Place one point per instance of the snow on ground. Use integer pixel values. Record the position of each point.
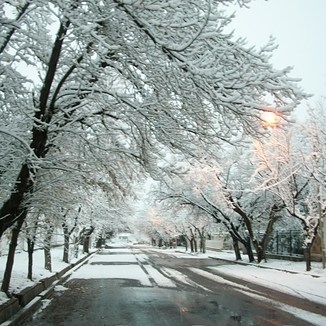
(142, 258)
(282, 275)
(112, 271)
(121, 250)
(130, 271)
(178, 276)
(301, 285)
(314, 319)
(19, 279)
(305, 315)
(159, 278)
(104, 270)
(124, 258)
(300, 267)
(170, 272)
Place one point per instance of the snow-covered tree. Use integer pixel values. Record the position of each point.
(145, 72)
(315, 163)
(229, 193)
(315, 159)
(282, 163)
(162, 69)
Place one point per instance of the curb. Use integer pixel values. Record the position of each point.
(24, 312)
(24, 307)
(239, 262)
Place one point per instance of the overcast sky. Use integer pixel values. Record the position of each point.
(300, 30)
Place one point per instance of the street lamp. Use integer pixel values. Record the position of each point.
(270, 119)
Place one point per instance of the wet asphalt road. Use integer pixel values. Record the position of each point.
(113, 302)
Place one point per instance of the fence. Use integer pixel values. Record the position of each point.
(288, 243)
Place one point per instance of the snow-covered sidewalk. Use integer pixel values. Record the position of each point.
(19, 279)
(282, 275)
(278, 264)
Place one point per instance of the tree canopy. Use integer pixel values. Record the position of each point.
(104, 89)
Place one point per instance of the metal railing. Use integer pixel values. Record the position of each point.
(289, 243)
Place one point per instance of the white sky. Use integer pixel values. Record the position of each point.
(299, 28)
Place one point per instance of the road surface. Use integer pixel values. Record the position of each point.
(144, 287)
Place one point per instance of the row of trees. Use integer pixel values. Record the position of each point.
(274, 182)
(95, 94)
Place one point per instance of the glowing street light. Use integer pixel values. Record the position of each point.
(270, 119)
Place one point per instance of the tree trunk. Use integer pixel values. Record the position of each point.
(76, 246)
(307, 257)
(67, 234)
(202, 241)
(47, 250)
(66, 237)
(11, 254)
(262, 245)
(260, 252)
(13, 208)
(87, 235)
(86, 245)
(203, 244)
(236, 247)
(250, 253)
(187, 243)
(192, 244)
(47, 258)
(99, 242)
(30, 250)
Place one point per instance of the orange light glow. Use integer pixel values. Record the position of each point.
(271, 119)
(183, 309)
